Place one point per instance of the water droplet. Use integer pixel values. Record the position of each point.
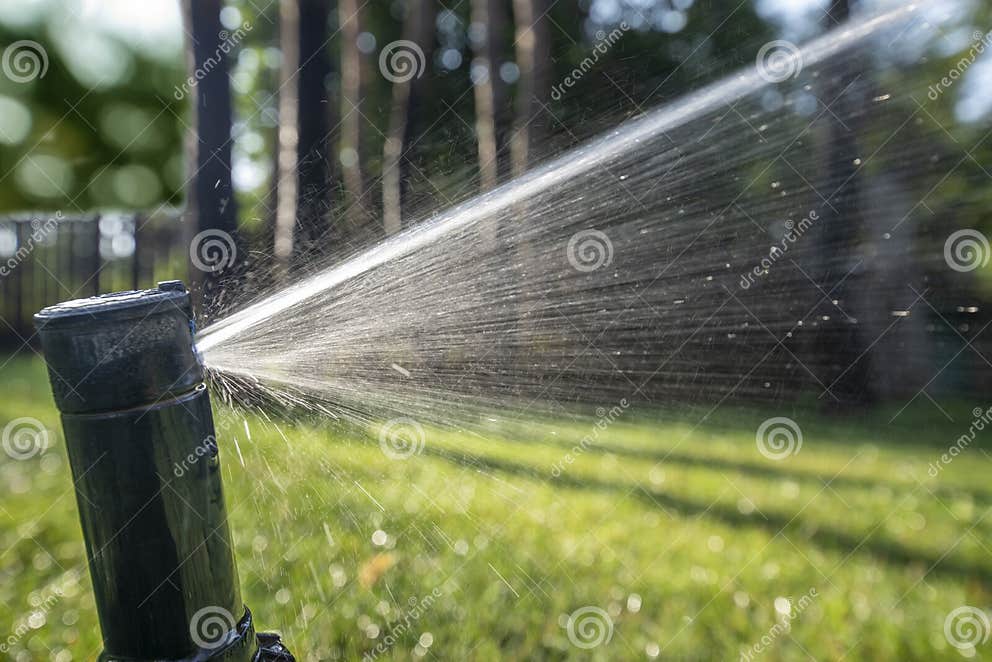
(633, 603)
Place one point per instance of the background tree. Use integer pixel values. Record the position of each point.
(303, 205)
(408, 93)
(487, 34)
(210, 192)
(352, 142)
(846, 345)
(533, 51)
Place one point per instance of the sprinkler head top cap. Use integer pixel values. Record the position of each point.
(120, 350)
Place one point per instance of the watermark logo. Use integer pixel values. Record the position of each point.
(982, 40)
(24, 438)
(588, 250)
(604, 419)
(25, 60)
(589, 627)
(778, 438)
(52, 596)
(208, 448)
(967, 250)
(211, 626)
(228, 42)
(401, 61)
(793, 233)
(982, 418)
(787, 611)
(212, 251)
(779, 60)
(398, 628)
(39, 233)
(402, 438)
(967, 627)
(604, 42)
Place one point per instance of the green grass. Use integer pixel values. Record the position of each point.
(684, 535)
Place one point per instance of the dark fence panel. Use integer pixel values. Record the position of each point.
(45, 259)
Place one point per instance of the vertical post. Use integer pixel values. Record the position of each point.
(19, 283)
(137, 219)
(97, 263)
(140, 438)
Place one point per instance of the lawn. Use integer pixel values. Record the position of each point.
(681, 541)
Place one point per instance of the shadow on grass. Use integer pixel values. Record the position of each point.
(826, 537)
(762, 471)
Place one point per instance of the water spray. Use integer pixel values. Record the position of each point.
(129, 385)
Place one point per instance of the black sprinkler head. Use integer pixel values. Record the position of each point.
(128, 382)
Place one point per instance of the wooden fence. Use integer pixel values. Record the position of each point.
(45, 259)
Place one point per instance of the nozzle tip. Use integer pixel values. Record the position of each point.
(172, 286)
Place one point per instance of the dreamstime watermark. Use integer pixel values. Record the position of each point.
(207, 448)
(967, 250)
(604, 418)
(417, 608)
(211, 626)
(778, 438)
(39, 232)
(212, 251)
(779, 60)
(967, 627)
(402, 438)
(604, 42)
(793, 233)
(401, 61)
(228, 41)
(982, 418)
(589, 627)
(50, 597)
(588, 250)
(981, 42)
(24, 438)
(23, 61)
(788, 611)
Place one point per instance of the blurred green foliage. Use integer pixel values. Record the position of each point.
(82, 138)
(104, 128)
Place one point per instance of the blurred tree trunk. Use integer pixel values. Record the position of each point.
(315, 113)
(533, 44)
(288, 136)
(351, 20)
(210, 192)
(408, 92)
(488, 26)
(843, 344)
(304, 188)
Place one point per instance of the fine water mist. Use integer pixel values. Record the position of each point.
(750, 242)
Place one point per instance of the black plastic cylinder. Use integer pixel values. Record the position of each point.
(134, 408)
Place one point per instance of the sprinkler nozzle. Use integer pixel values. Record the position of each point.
(129, 385)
